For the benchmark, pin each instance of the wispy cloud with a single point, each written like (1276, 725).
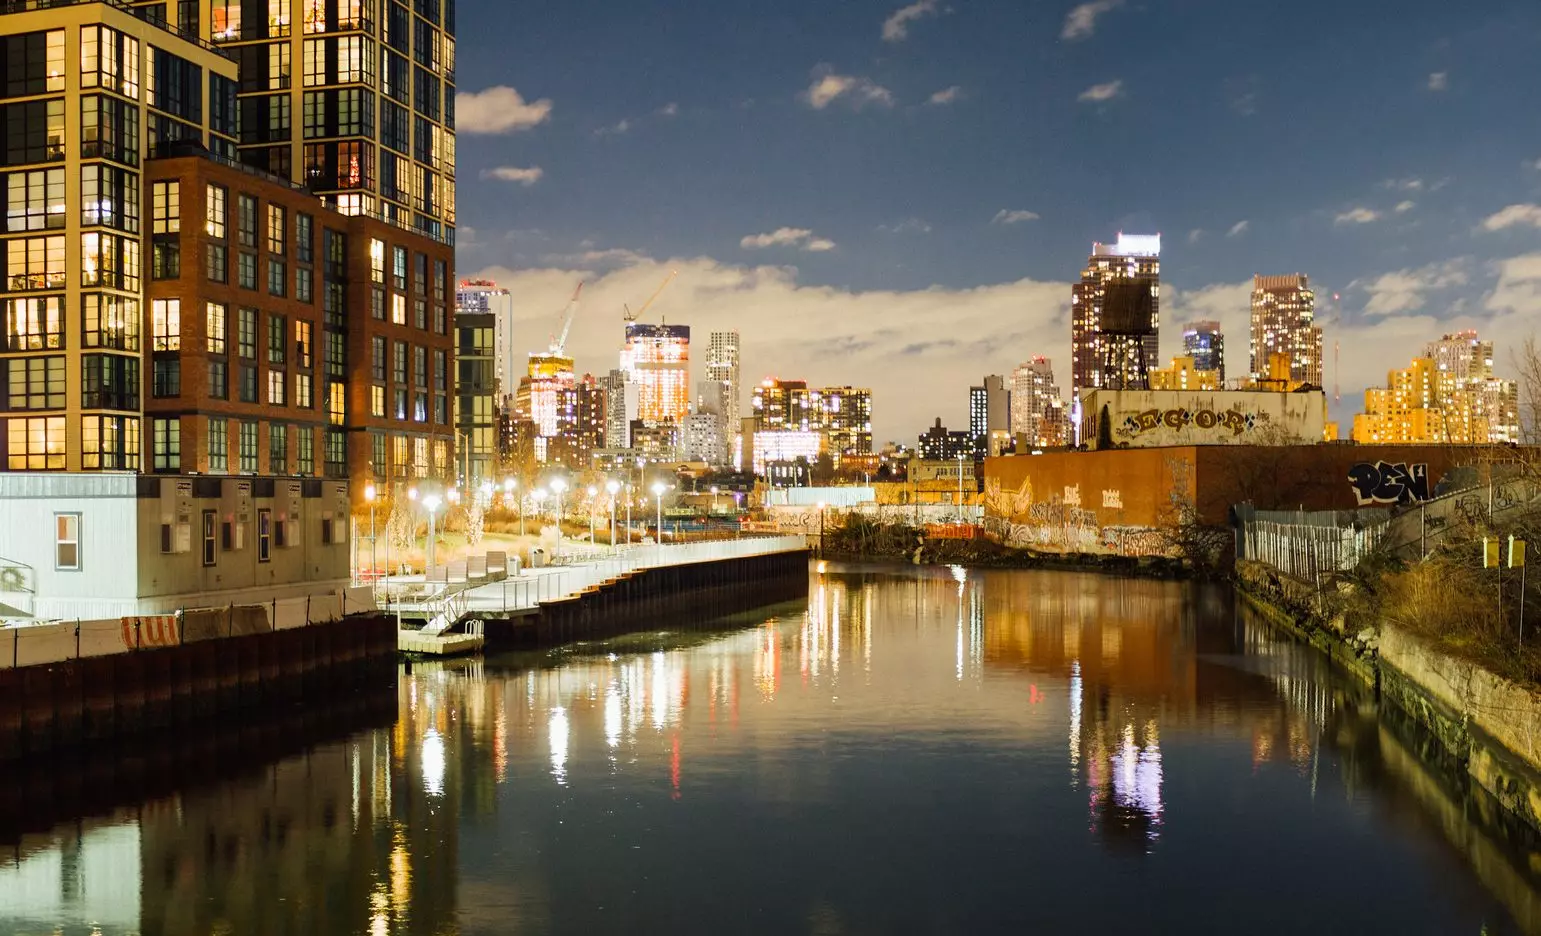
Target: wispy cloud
(1403, 207)
(907, 226)
(1359, 215)
(947, 95)
(1013, 216)
(1195, 235)
(1081, 22)
(1405, 290)
(670, 109)
(1102, 92)
(622, 126)
(499, 109)
(829, 87)
(1514, 216)
(897, 27)
(801, 238)
(1409, 184)
(1439, 81)
(515, 174)
(1239, 228)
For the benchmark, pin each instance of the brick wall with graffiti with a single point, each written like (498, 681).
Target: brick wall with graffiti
(1149, 418)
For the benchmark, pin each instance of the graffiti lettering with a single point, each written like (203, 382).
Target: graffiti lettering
(1388, 483)
(1073, 494)
(1234, 420)
(1114, 500)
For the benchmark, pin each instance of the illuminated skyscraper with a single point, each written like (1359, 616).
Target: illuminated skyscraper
(989, 410)
(1135, 259)
(658, 360)
(1205, 343)
(840, 416)
(1037, 411)
(1283, 322)
(1447, 396)
(545, 399)
(722, 368)
(484, 297)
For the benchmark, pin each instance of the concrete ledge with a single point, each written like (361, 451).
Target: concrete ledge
(437, 644)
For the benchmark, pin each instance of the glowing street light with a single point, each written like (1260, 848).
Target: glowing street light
(658, 488)
(612, 486)
(558, 484)
(432, 503)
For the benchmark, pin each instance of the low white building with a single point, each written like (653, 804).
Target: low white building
(98, 546)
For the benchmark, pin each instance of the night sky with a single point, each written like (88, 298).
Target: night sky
(899, 196)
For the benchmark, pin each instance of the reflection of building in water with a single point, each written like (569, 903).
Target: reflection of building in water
(85, 873)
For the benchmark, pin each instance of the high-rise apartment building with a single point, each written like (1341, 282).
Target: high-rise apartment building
(485, 298)
(476, 389)
(1184, 374)
(989, 410)
(840, 416)
(1447, 396)
(658, 359)
(1134, 259)
(1284, 322)
(620, 409)
(354, 99)
(1205, 344)
(1037, 410)
(723, 369)
(545, 400)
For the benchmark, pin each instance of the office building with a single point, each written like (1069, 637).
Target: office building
(658, 359)
(779, 405)
(723, 369)
(1184, 374)
(1205, 344)
(1448, 396)
(620, 409)
(581, 424)
(989, 410)
(705, 436)
(484, 297)
(1284, 322)
(1037, 410)
(543, 399)
(1135, 260)
(351, 98)
(937, 443)
(476, 388)
(842, 416)
(786, 445)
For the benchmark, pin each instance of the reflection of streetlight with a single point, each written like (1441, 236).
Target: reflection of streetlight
(592, 505)
(432, 503)
(658, 488)
(369, 495)
(612, 486)
(821, 529)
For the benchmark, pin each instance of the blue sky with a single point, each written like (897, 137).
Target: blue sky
(898, 195)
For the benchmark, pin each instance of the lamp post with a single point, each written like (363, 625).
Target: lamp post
(558, 485)
(509, 486)
(612, 486)
(714, 498)
(592, 493)
(821, 529)
(658, 488)
(369, 495)
(412, 496)
(960, 488)
(628, 513)
(432, 503)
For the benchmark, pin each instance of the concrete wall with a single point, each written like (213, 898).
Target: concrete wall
(1147, 418)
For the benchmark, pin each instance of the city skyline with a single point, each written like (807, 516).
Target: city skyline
(1412, 229)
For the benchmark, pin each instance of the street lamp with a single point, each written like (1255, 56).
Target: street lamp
(612, 486)
(369, 495)
(558, 485)
(658, 488)
(509, 486)
(432, 503)
(960, 488)
(412, 496)
(714, 498)
(628, 513)
(592, 492)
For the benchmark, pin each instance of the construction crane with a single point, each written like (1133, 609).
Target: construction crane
(559, 342)
(631, 316)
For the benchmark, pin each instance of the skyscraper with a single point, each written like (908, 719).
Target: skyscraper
(723, 370)
(658, 359)
(476, 389)
(354, 99)
(989, 410)
(1037, 411)
(1447, 396)
(1134, 259)
(1283, 322)
(620, 409)
(840, 416)
(1205, 343)
(484, 297)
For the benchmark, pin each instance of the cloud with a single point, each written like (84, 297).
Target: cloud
(1405, 290)
(624, 125)
(1439, 81)
(897, 27)
(670, 109)
(1081, 22)
(1513, 216)
(515, 174)
(947, 95)
(1409, 184)
(1359, 215)
(1534, 165)
(801, 238)
(1403, 207)
(499, 109)
(1518, 290)
(590, 258)
(907, 226)
(1195, 235)
(1102, 92)
(1238, 229)
(829, 87)
(1010, 216)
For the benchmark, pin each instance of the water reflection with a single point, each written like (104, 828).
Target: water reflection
(907, 752)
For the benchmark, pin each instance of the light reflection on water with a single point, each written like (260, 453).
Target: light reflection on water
(918, 750)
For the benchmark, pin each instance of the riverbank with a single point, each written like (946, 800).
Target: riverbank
(987, 554)
(1489, 727)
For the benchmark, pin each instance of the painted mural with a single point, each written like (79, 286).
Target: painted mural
(1389, 482)
(1059, 523)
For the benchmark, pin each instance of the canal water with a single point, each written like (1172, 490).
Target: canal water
(911, 751)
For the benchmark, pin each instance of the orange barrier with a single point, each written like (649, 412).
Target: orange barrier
(957, 531)
(160, 630)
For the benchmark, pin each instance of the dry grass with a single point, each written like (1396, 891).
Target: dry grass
(1455, 606)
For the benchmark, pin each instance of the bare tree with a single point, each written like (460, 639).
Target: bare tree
(1527, 363)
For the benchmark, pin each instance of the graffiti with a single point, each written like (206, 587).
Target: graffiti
(1234, 421)
(1113, 500)
(1389, 483)
(1073, 494)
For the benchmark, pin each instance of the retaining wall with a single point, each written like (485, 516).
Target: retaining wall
(103, 699)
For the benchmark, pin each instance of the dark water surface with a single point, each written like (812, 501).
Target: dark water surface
(911, 752)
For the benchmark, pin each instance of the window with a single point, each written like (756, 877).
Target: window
(109, 196)
(336, 403)
(166, 324)
(278, 228)
(441, 409)
(108, 59)
(246, 270)
(276, 381)
(215, 211)
(376, 261)
(248, 449)
(377, 401)
(218, 315)
(219, 379)
(305, 452)
(302, 391)
(278, 277)
(175, 85)
(420, 314)
(265, 532)
(303, 346)
(399, 363)
(399, 268)
(420, 273)
(165, 207)
(34, 200)
(377, 357)
(210, 526)
(246, 221)
(34, 324)
(166, 379)
(166, 444)
(67, 542)
(304, 249)
(420, 407)
(278, 338)
(336, 354)
(440, 274)
(219, 444)
(225, 19)
(336, 465)
(246, 383)
(377, 303)
(109, 381)
(34, 63)
(34, 263)
(36, 444)
(440, 322)
(110, 260)
(35, 383)
(398, 309)
(278, 448)
(110, 321)
(109, 129)
(218, 263)
(377, 464)
(35, 129)
(246, 333)
(419, 366)
(165, 258)
(304, 284)
(440, 370)
(109, 442)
